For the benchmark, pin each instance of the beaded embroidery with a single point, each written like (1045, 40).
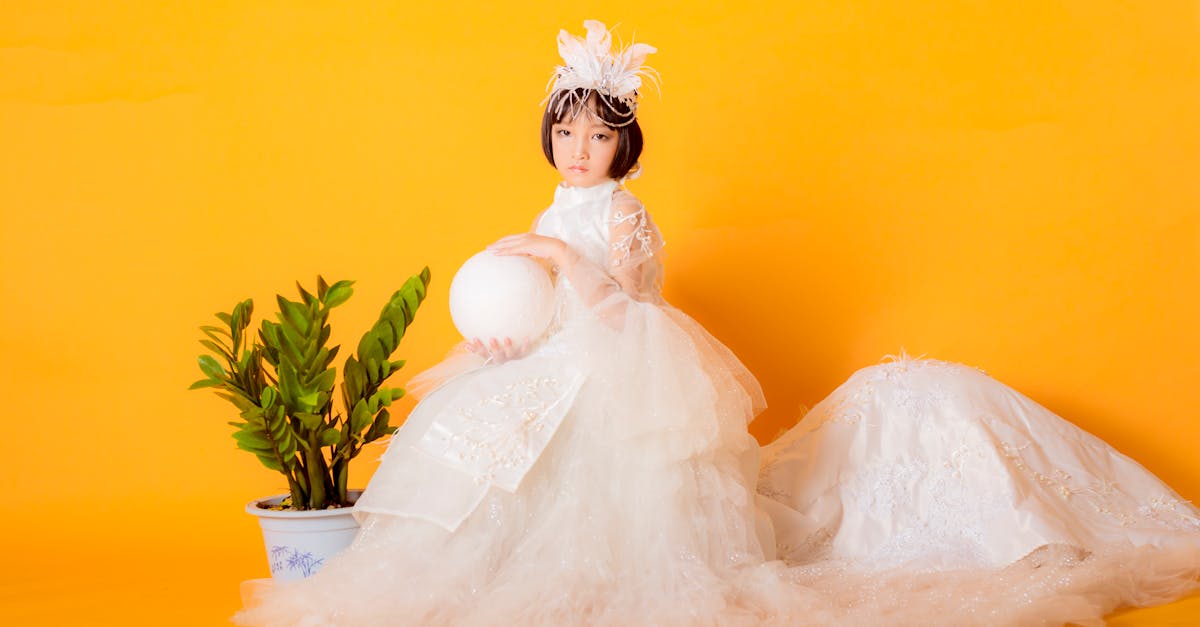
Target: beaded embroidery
(641, 232)
(1102, 497)
(957, 502)
(497, 438)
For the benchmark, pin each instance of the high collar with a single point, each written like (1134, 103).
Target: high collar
(564, 194)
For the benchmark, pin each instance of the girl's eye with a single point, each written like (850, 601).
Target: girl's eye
(563, 132)
(602, 136)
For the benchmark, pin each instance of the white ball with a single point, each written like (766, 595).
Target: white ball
(499, 296)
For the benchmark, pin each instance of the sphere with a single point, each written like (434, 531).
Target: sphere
(499, 296)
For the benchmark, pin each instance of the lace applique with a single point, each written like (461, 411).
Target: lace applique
(848, 409)
(903, 363)
(502, 445)
(1171, 512)
(1104, 497)
(951, 522)
(641, 233)
(813, 547)
(963, 457)
(770, 488)
(497, 438)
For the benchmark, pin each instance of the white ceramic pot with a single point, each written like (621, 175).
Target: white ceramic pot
(299, 542)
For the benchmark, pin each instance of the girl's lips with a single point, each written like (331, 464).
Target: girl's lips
(577, 168)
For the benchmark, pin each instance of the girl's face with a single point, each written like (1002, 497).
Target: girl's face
(583, 149)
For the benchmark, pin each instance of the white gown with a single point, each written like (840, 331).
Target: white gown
(607, 478)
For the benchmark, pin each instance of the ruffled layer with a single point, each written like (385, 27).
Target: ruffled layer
(937, 463)
(641, 507)
(426, 581)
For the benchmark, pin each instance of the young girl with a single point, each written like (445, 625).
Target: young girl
(603, 475)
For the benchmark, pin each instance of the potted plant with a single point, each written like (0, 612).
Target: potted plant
(282, 383)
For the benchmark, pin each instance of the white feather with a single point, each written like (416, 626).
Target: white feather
(589, 63)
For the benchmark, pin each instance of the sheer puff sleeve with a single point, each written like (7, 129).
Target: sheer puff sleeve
(634, 268)
(635, 248)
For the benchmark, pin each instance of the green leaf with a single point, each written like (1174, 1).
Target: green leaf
(252, 440)
(294, 314)
(379, 427)
(269, 333)
(218, 349)
(204, 383)
(268, 397)
(366, 345)
(381, 397)
(281, 433)
(326, 380)
(241, 321)
(353, 381)
(289, 386)
(308, 298)
(292, 345)
(254, 417)
(360, 417)
(323, 337)
(241, 314)
(211, 368)
(270, 462)
(310, 421)
(238, 399)
(398, 328)
(211, 330)
(329, 437)
(308, 400)
(339, 293)
(322, 287)
(383, 338)
(312, 354)
(252, 449)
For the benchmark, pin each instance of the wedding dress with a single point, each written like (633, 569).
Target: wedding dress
(607, 478)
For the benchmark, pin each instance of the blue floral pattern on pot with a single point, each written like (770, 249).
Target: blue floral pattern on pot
(290, 558)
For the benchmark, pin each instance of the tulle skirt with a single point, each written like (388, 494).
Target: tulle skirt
(926, 492)
(640, 509)
(917, 493)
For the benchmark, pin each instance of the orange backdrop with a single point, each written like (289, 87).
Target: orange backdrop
(1013, 186)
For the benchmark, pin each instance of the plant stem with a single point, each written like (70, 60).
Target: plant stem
(340, 479)
(295, 489)
(315, 459)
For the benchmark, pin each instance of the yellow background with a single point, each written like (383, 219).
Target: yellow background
(1010, 185)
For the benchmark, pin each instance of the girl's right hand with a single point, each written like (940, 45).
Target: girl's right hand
(498, 352)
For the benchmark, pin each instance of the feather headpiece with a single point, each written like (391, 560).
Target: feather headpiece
(589, 64)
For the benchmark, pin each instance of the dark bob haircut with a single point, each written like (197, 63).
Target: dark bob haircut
(611, 112)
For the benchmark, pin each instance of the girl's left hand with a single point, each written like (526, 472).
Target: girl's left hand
(498, 352)
(530, 245)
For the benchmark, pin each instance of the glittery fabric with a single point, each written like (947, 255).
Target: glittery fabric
(927, 492)
(607, 478)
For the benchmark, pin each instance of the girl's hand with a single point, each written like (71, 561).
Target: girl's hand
(531, 245)
(498, 352)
